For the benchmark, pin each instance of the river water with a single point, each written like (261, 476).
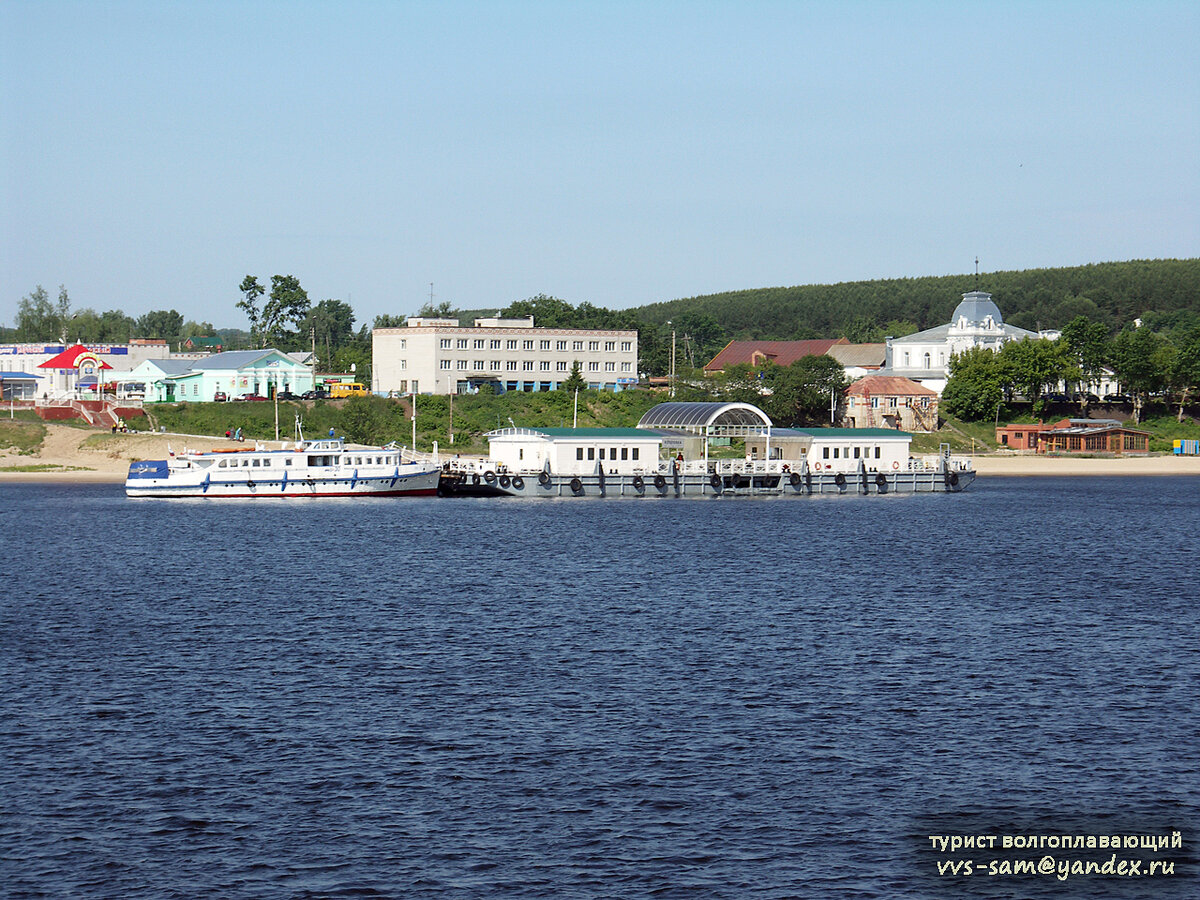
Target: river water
(492, 698)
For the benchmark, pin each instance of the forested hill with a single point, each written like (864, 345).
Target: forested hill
(1113, 293)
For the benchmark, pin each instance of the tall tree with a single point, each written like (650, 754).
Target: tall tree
(37, 319)
(805, 392)
(1184, 374)
(974, 391)
(286, 306)
(1136, 360)
(251, 292)
(1087, 343)
(1031, 366)
(331, 323)
(160, 323)
(63, 310)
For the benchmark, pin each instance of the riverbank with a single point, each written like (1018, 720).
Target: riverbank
(71, 454)
(1034, 465)
(86, 456)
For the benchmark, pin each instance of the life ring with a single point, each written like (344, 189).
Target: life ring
(518, 483)
(794, 479)
(638, 484)
(489, 476)
(839, 479)
(881, 479)
(475, 478)
(715, 481)
(895, 464)
(576, 486)
(543, 478)
(504, 481)
(816, 467)
(660, 482)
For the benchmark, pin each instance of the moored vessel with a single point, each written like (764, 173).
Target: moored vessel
(322, 468)
(668, 455)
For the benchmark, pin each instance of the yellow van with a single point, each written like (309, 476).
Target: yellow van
(338, 391)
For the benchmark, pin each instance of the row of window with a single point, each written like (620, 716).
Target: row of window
(527, 365)
(926, 359)
(892, 402)
(866, 452)
(626, 453)
(512, 344)
(265, 463)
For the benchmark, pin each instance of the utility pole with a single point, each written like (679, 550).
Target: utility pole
(312, 333)
(672, 391)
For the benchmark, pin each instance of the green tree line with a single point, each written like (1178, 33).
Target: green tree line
(1107, 293)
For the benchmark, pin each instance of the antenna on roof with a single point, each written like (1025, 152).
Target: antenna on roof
(977, 273)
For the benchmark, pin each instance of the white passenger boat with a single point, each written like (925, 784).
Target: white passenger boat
(323, 468)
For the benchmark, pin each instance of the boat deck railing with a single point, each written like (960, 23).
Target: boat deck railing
(723, 467)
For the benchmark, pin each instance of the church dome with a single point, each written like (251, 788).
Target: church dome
(976, 307)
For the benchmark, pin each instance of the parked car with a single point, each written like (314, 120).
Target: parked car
(253, 397)
(317, 394)
(219, 397)
(1117, 398)
(286, 395)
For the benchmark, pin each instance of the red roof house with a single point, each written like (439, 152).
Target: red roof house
(759, 353)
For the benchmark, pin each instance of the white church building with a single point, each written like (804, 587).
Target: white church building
(924, 357)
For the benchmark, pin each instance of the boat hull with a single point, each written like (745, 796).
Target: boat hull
(700, 485)
(420, 482)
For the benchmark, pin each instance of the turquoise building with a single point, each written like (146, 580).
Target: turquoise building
(233, 373)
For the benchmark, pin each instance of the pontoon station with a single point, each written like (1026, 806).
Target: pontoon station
(672, 453)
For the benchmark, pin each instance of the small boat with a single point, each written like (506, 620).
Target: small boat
(322, 468)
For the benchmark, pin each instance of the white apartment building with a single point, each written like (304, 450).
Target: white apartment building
(439, 356)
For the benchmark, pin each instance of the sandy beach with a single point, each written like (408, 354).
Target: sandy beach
(84, 456)
(72, 454)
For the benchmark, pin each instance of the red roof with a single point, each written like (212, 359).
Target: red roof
(756, 353)
(69, 359)
(888, 386)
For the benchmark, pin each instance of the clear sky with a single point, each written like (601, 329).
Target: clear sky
(619, 153)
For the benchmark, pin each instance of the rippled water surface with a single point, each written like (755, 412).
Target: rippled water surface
(490, 698)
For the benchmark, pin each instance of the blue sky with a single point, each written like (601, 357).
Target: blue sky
(619, 153)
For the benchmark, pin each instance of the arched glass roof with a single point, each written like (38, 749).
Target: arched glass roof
(699, 417)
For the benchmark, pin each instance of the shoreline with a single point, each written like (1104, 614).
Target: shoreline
(107, 462)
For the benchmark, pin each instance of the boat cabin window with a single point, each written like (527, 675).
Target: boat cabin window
(591, 452)
(602, 453)
(256, 464)
(825, 451)
(877, 452)
(624, 453)
(635, 452)
(266, 464)
(579, 453)
(222, 464)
